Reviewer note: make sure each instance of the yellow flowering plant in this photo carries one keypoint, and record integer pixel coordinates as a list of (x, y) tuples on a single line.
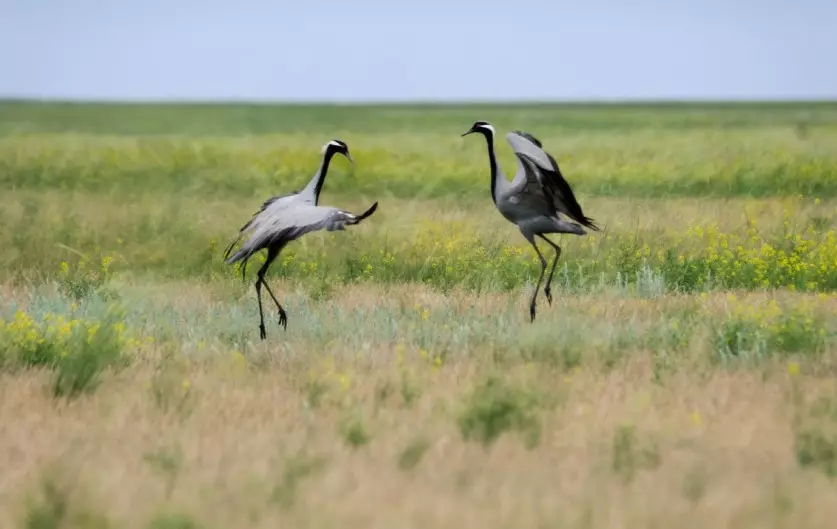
[(85, 279), (76, 348)]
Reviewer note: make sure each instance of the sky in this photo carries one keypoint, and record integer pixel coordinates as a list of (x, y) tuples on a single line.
[(362, 50)]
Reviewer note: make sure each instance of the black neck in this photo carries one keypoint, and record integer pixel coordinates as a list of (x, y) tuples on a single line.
[(318, 186), (492, 159)]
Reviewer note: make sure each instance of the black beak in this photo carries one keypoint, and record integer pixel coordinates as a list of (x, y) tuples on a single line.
[(349, 157), (469, 132)]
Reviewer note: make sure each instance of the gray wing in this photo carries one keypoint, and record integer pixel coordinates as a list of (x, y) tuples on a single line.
[(267, 208), (524, 143), (272, 201), (281, 226), (548, 178)]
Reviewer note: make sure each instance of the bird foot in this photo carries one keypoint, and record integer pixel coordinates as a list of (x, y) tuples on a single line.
[(532, 312), (548, 293), (262, 331), (283, 319)]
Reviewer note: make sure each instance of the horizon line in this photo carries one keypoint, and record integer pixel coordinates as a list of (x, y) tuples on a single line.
[(414, 102)]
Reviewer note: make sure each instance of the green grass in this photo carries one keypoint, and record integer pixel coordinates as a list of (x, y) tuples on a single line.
[(202, 119), (410, 151), (676, 246)]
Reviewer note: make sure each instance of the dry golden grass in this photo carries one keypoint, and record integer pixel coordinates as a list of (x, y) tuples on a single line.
[(724, 447), (261, 440)]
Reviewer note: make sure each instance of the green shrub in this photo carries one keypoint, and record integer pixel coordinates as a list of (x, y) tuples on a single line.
[(496, 407)]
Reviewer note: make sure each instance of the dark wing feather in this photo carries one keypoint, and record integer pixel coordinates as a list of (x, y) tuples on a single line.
[(339, 219), (366, 213), (567, 195), (559, 192), (555, 187)]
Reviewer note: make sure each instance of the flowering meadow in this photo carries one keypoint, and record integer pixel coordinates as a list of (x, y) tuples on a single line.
[(682, 376)]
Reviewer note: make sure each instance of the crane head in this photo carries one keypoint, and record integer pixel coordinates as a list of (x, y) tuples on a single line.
[(482, 127), (337, 147)]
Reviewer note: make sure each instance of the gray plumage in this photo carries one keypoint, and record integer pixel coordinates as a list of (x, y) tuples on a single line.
[(280, 226), (310, 194), (535, 199), (283, 219)]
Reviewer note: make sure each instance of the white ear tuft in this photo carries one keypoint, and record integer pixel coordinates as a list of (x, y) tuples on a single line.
[(487, 126), (332, 143)]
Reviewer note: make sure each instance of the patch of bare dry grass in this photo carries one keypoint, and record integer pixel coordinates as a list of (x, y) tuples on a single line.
[(377, 408), (615, 449)]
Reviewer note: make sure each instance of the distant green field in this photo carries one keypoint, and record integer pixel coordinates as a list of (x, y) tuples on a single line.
[(204, 119), (415, 151)]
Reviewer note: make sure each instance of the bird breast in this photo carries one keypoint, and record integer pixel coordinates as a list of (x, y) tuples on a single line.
[(517, 207)]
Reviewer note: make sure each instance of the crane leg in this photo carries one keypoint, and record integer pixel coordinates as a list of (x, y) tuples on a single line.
[(262, 332), (283, 316), (547, 290), (272, 253), (540, 279)]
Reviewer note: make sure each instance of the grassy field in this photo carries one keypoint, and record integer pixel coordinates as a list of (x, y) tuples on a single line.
[(684, 375)]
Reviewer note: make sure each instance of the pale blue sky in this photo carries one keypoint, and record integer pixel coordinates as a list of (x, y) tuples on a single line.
[(425, 50)]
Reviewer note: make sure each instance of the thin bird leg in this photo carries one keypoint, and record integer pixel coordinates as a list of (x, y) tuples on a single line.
[(262, 332), (283, 316), (547, 291), (540, 280), (272, 253)]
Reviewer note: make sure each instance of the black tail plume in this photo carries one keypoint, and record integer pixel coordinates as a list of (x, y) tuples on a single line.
[(366, 213)]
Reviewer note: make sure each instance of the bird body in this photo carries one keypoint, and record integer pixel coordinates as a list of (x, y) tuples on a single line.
[(285, 218), (310, 194), (533, 211), (536, 198), (280, 225)]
